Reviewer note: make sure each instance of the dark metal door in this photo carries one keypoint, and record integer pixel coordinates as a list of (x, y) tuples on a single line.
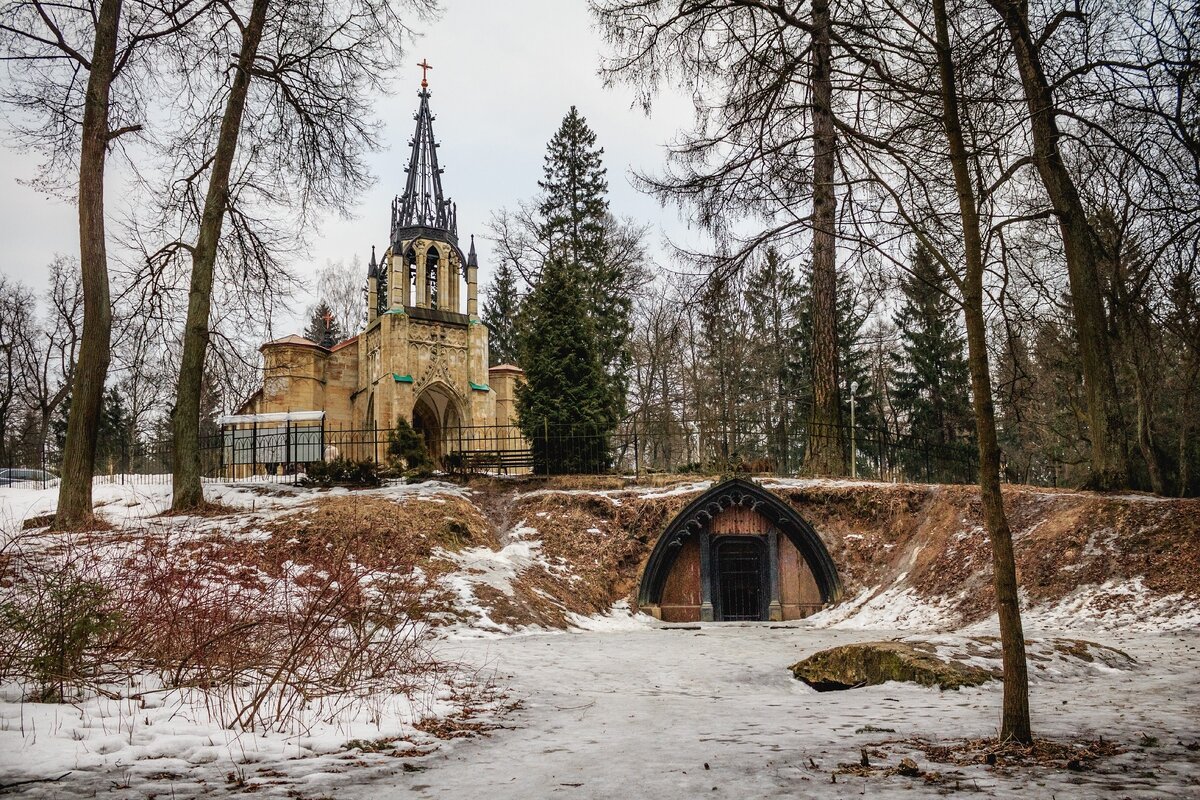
[(741, 567)]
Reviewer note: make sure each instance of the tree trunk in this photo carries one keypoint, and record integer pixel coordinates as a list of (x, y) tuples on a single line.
[(1145, 441), (824, 456), (1015, 715), (1109, 446), (187, 490), (87, 389)]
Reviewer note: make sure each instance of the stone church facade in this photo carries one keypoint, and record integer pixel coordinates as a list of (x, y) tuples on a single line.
[(424, 352)]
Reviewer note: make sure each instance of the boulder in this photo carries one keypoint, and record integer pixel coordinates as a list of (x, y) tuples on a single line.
[(871, 663)]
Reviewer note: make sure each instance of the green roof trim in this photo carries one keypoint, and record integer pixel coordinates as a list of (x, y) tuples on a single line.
[(402, 378), (480, 387), (398, 310)]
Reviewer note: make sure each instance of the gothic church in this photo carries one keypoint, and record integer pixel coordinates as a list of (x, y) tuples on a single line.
[(424, 352)]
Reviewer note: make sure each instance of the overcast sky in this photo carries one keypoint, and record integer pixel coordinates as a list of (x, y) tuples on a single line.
[(504, 74)]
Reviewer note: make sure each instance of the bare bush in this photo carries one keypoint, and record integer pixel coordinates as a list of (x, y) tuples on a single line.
[(54, 621), (268, 642)]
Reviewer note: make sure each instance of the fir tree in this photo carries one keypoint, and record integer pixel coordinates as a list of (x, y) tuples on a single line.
[(116, 436), (566, 394), (725, 390), (852, 356), (573, 207), (501, 304), (574, 226), (930, 376), (773, 299), (323, 327), (406, 448)]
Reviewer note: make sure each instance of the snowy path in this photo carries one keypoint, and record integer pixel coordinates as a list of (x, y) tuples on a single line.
[(639, 713)]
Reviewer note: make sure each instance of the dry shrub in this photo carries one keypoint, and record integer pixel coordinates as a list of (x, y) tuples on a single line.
[(272, 641), (294, 634), (57, 624)]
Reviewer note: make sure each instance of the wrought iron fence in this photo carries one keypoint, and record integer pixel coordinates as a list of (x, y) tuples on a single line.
[(282, 453)]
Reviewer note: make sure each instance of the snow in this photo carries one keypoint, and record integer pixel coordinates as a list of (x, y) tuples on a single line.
[(639, 704), (149, 741), (1115, 606), (618, 618), (620, 700), (896, 607), (641, 712), (119, 502)]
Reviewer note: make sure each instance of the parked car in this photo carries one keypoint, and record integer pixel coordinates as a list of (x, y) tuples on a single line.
[(28, 478)]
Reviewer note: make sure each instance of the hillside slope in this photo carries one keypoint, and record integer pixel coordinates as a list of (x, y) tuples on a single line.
[(502, 555)]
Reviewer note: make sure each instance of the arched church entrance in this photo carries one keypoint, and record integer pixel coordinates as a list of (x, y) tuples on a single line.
[(737, 552), (437, 418)]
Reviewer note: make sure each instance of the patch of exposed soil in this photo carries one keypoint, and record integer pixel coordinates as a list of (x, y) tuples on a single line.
[(933, 536), (593, 536)]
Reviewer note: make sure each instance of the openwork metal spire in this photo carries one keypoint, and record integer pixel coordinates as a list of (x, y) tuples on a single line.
[(423, 206)]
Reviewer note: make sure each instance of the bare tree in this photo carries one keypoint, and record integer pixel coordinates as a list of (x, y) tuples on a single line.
[(1015, 716), (1110, 468), (300, 90), (54, 43), (48, 359), (342, 286), (187, 491), (764, 144), (16, 328)]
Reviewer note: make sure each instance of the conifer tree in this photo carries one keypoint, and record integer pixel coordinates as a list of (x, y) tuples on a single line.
[(930, 376), (564, 407), (773, 298), (501, 304), (725, 390), (853, 359), (323, 327), (574, 224)]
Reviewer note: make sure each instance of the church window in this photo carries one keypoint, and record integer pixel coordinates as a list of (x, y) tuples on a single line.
[(410, 285), (432, 258)]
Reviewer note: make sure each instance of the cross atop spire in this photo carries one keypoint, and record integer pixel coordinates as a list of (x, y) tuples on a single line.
[(423, 206), (425, 67)]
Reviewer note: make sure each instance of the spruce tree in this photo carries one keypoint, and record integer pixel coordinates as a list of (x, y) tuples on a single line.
[(930, 375), (501, 304), (564, 407), (853, 358), (725, 390), (573, 228), (773, 298), (323, 327)]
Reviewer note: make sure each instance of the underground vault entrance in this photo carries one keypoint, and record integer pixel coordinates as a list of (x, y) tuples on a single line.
[(737, 552)]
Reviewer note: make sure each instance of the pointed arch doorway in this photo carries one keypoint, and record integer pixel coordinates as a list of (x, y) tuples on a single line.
[(737, 553), (436, 416)]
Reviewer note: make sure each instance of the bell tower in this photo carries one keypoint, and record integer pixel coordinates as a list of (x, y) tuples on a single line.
[(425, 349), (424, 266)]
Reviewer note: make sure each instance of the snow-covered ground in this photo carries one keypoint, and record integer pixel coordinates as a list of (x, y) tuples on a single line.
[(624, 706), (713, 711), (639, 709)]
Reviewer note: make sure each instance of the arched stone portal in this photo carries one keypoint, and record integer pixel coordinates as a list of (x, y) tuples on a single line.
[(737, 552), (436, 416)]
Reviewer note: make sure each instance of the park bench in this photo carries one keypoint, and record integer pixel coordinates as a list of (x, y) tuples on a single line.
[(501, 461)]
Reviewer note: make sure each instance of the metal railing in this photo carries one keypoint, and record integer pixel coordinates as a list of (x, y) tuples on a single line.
[(636, 447)]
